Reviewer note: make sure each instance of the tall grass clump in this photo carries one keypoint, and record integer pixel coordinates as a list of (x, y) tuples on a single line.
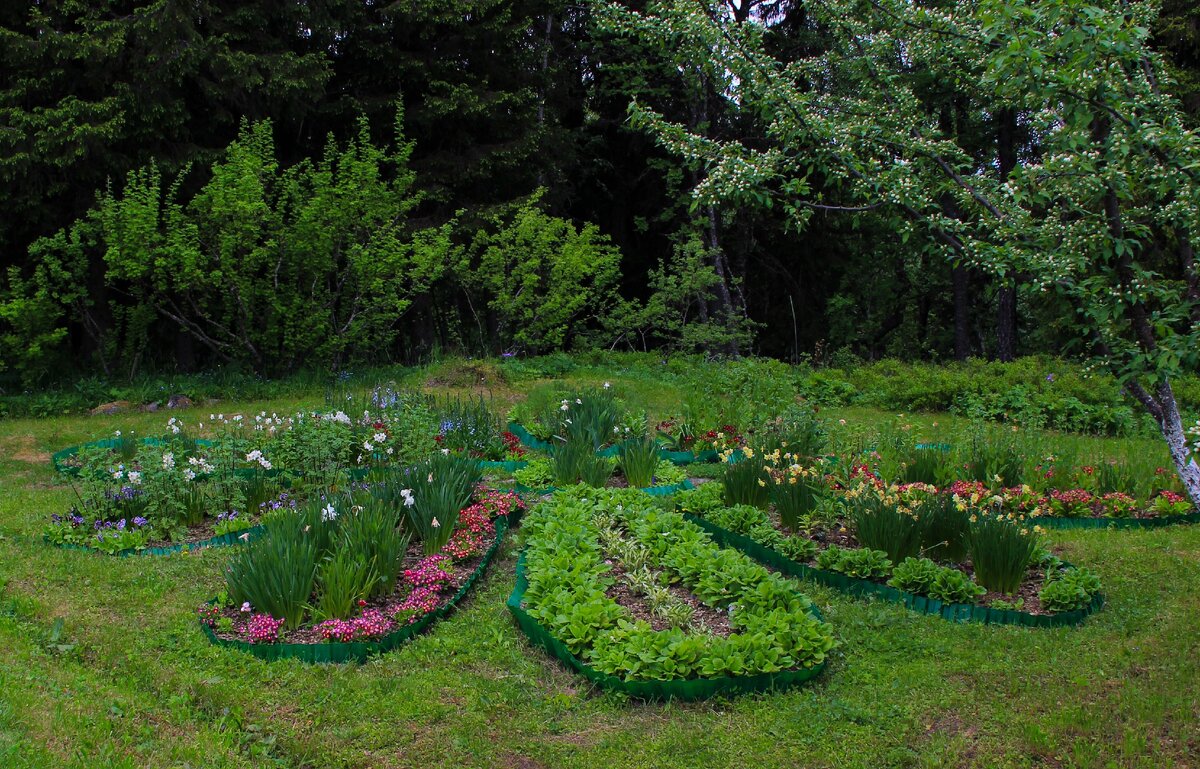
[(944, 522), (746, 482), (439, 487), (276, 573), (882, 525), (639, 459), (1001, 548)]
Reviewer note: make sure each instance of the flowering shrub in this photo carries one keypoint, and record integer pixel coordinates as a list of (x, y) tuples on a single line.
[(263, 629), (1170, 503), (1072, 502)]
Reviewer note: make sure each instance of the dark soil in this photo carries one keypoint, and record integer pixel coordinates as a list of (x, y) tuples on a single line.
[(715, 620)]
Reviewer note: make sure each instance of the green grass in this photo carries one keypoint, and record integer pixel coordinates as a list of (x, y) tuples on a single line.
[(129, 680)]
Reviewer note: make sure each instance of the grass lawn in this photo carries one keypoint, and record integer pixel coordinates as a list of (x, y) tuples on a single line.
[(102, 664)]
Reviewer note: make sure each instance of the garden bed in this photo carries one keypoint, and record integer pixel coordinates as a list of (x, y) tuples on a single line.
[(678, 617), (955, 612), (169, 548), (308, 645)]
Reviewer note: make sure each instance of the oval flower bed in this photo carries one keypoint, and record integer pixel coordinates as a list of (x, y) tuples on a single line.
[(935, 553), (341, 580), (638, 600)]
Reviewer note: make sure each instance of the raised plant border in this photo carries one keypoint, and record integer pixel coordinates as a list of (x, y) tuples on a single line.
[(1067, 522), (358, 651), (654, 491), (954, 612), (683, 689), (224, 540)]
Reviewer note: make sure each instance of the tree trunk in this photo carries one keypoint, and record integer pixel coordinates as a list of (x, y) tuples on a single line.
[(1006, 322), (1171, 425), (962, 318)]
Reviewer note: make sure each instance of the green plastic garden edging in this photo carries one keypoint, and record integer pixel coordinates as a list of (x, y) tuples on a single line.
[(358, 651), (58, 459), (507, 465), (955, 612), (654, 491), (686, 689), (678, 457), (232, 538), (1050, 522)]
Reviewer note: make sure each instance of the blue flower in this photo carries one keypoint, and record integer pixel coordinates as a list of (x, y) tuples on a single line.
[(139, 521), (121, 525)]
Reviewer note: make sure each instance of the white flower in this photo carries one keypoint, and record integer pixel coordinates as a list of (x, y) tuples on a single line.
[(135, 477), (254, 456), (265, 464), (577, 400), (431, 477), (565, 406), (389, 449), (118, 475), (328, 514), (380, 437), (168, 460), (246, 606), (367, 445), (607, 385), (118, 433), (446, 452), (189, 474), (435, 524), (407, 495), (237, 418)]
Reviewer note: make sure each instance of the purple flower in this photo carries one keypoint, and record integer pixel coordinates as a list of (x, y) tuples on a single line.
[(139, 521), (56, 517), (121, 525), (507, 354), (1049, 377)]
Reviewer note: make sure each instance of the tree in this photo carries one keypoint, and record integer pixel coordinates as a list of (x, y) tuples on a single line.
[(269, 266), (1103, 215)]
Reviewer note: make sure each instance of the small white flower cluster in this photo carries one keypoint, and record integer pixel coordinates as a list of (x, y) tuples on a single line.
[(168, 461), (407, 496), (199, 466), (174, 426), (257, 456)]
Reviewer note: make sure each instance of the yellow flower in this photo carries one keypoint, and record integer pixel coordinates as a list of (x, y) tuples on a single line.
[(761, 482)]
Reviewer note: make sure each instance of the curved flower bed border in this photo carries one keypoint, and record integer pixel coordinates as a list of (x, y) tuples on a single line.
[(954, 612), (224, 540), (678, 457), (654, 491), (689, 689), (1050, 522), (358, 651), (58, 459)]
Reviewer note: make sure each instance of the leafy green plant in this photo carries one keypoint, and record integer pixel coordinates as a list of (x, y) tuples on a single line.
[(538, 474), (953, 586), (860, 563), (914, 575), (1001, 550), (1068, 589), (703, 499)]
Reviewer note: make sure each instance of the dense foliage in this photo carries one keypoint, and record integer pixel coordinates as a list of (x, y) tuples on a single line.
[(523, 212)]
